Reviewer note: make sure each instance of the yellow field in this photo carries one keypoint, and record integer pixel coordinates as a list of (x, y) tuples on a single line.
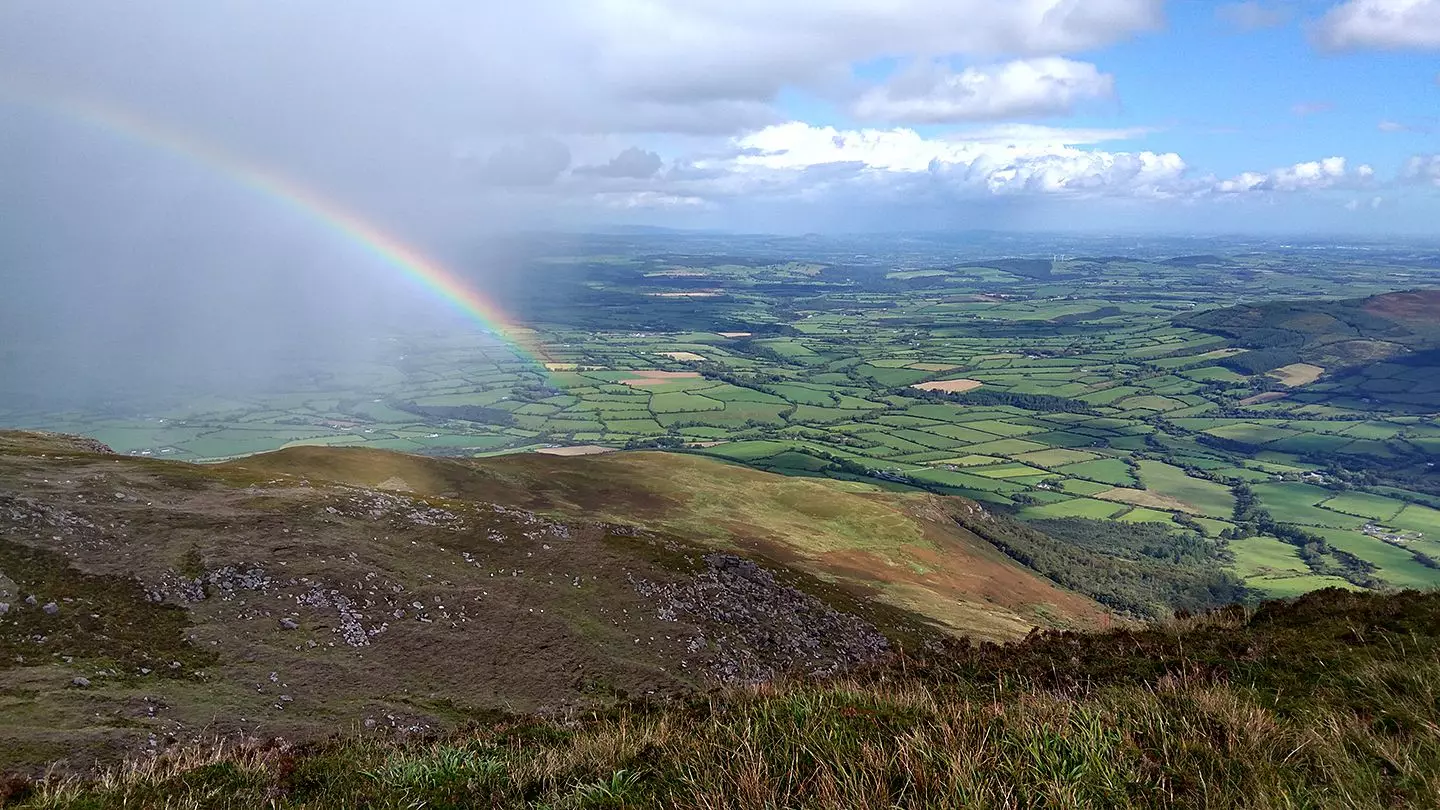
[(949, 386), (682, 355), (577, 450), (1144, 497), (1297, 374)]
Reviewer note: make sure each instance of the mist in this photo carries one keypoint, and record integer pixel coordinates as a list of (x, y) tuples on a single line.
[(453, 126), (132, 270)]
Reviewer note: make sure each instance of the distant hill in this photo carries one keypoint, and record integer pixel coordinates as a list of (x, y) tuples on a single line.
[(146, 603), (1383, 349)]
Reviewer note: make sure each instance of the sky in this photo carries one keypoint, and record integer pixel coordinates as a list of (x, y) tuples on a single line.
[(759, 115), (137, 251)]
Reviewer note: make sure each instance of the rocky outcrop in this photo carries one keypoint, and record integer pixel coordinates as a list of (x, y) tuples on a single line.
[(755, 628)]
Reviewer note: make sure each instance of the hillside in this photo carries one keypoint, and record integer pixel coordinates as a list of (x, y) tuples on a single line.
[(150, 604), (905, 549), (1382, 350), (1327, 702)]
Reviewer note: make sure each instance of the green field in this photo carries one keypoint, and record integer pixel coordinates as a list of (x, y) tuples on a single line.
[(1101, 373), (1207, 497)]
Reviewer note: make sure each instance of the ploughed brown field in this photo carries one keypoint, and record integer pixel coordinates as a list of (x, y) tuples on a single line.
[(949, 386), (576, 450)]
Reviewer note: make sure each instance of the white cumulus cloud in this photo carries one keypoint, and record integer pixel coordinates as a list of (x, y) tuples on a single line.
[(1026, 88), (1384, 24), (1314, 175), (992, 162), (1421, 170)]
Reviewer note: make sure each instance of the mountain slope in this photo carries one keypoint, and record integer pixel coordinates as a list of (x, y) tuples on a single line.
[(1326, 702), (906, 549), (150, 603)]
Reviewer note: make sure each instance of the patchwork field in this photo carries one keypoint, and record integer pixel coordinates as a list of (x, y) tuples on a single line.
[(1103, 388)]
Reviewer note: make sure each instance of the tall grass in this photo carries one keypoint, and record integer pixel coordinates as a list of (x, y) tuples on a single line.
[(1286, 722)]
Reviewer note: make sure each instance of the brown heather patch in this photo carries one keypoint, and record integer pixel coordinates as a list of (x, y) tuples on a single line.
[(1417, 305)]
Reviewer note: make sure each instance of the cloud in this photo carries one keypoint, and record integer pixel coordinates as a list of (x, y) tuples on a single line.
[(1380, 24), (748, 49), (632, 200), (1421, 170), (1251, 15), (1315, 175), (536, 162), (1400, 126), (633, 162), (1308, 108), (1373, 203), (980, 165), (931, 93)]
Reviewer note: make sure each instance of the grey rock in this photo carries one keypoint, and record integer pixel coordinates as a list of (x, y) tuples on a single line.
[(31, 600), (81, 682), (760, 628), (51, 608), (4, 608), (289, 624)]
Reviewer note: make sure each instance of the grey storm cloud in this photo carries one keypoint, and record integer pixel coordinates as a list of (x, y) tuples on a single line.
[(536, 162), (634, 163)]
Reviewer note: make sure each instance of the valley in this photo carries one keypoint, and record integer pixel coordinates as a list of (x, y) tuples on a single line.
[(1140, 389)]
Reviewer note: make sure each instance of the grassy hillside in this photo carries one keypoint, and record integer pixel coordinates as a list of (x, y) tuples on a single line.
[(1327, 702), (151, 604), (1379, 349), (905, 549)]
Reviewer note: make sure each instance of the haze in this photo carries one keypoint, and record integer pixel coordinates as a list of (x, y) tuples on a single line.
[(455, 124)]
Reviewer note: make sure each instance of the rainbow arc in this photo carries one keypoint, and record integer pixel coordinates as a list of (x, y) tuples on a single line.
[(292, 195)]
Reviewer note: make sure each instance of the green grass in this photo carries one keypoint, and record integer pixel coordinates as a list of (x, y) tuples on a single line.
[(1055, 458), (1000, 428), (1207, 497), (961, 433), (1109, 470), (1004, 447), (1275, 569), (1082, 487), (1075, 507), (1252, 433), (1375, 507), (1006, 471), (748, 451), (1296, 503), (679, 402), (1396, 566), (1141, 514), (1415, 517)]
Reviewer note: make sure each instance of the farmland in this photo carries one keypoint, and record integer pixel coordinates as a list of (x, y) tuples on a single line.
[(1123, 388)]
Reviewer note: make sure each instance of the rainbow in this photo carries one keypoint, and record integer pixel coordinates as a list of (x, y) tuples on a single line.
[(302, 201)]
